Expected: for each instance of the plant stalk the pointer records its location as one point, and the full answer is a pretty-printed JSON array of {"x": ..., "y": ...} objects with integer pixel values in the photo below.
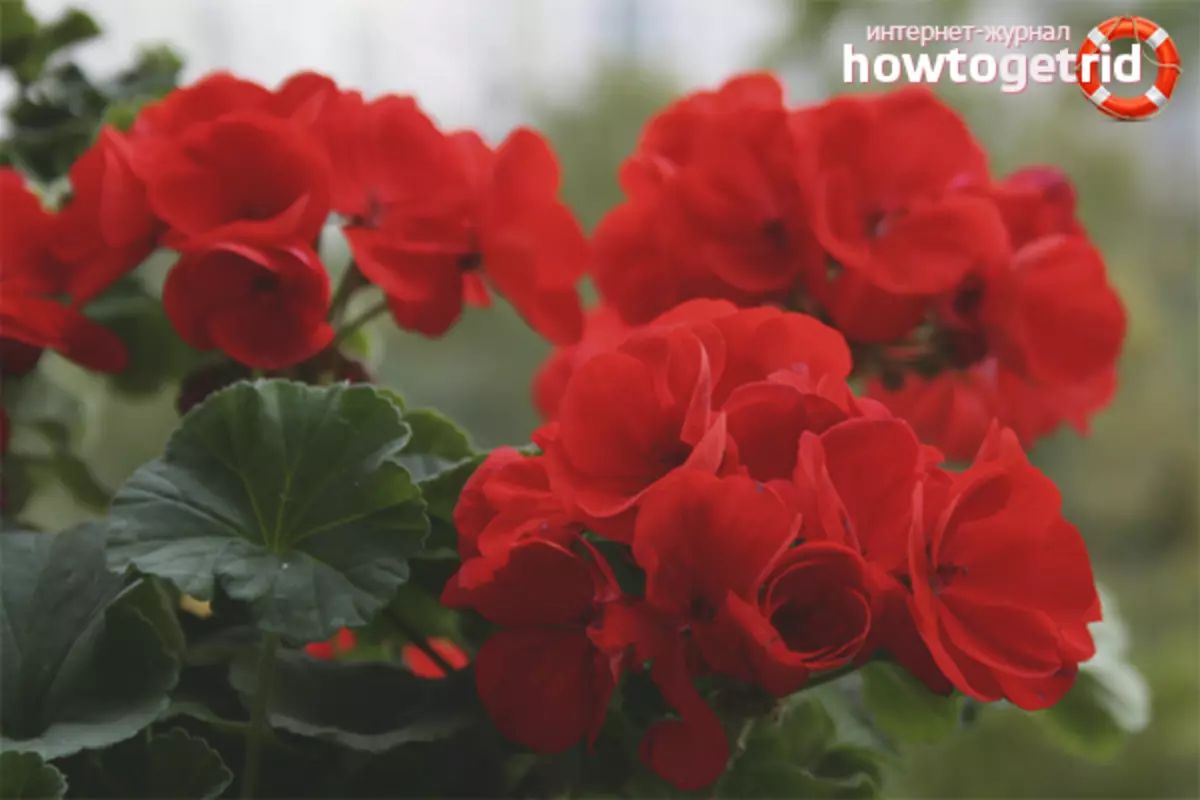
[
  {"x": 352, "y": 280},
  {"x": 258, "y": 716},
  {"x": 830, "y": 676},
  {"x": 357, "y": 322}
]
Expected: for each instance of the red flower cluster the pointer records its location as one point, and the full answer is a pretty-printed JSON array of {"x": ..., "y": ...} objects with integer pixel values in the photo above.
[
  {"x": 878, "y": 214},
  {"x": 778, "y": 527},
  {"x": 417, "y": 660},
  {"x": 240, "y": 180}
]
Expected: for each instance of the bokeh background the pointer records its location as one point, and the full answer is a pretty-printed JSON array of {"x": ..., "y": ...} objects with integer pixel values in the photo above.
[{"x": 588, "y": 73}]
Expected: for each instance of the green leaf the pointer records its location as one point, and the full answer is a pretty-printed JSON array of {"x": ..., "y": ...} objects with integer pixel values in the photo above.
[
  {"x": 795, "y": 755},
  {"x": 152, "y": 600},
  {"x": 371, "y": 706},
  {"x": 441, "y": 494},
  {"x": 1110, "y": 699},
  {"x": 437, "y": 444},
  {"x": 788, "y": 780},
  {"x": 157, "y": 356},
  {"x": 903, "y": 708},
  {"x": 154, "y": 74},
  {"x": 19, "y": 41},
  {"x": 289, "y": 497},
  {"x": 848, "y": 762},
  {"x": 25, "y": 776},
  {"x": 72, "y": 28},
  {"x": 81, "y": 668},
  {"x": 173, "y": 764}
]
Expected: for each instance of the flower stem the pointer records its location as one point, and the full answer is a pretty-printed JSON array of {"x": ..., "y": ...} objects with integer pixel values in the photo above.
[
  {"x": 357, "y": 322},
  {"x": 258, "y": 716},
  {"x": 831, "y": 675},
  {"x": 352, "y": 280},
  {"x": 418, "y": 641}
]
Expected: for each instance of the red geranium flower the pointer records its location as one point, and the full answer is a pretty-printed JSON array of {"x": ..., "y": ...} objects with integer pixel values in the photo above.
[
  {"x": 1002, "y": 585},
  {"x": 263, "y": 308},
  {"x": 211, "y": 97},
  {"x": 435, "y": 219},
  {"x": 603, "y": 331},
  {"x": 344, "y": 641},
  {"x": 244, "y": 178},
  {"x": 630, "y": 417},
  {"x": 421, "y": 665},
  {"x": 854, "y": 485},
  {"x": 715, "y": 208},
  {"x": 541, "y": 679},
  {"x": 107, "y": 229},
  {"x": 506, "y": 499},
  {"x": 1032, "y": 339},
  {"x": 882, "y": 172},
  {"x": 31, "y": 318}
]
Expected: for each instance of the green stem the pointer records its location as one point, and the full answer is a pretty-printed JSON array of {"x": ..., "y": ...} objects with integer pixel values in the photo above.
[
  {"x": 417, "y": 640},
  {"x": 830, "y": 676},
  {"x": 258, "y": 716},
  {"x": 352, "y": 280},
  {"x": 357, "y": 322}
]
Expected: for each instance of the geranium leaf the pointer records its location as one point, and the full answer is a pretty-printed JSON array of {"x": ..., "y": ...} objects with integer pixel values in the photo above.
[
  {"x": 289, "y": 497},
  {"x": 903, "y": 708},
  {"x": 437, "y": 444},
  {"x": 83, "y": 667},
  {"x": 372, "y": 706},
  {"x": 25, "y": 776},
  {"x": 157, "y": 355},
  {"x": 1110, "y": 699},
  {"x": 173, "y": 764}
]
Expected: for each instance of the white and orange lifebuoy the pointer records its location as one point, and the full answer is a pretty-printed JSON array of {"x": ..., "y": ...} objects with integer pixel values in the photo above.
[{"x": 1166, "y": 58}]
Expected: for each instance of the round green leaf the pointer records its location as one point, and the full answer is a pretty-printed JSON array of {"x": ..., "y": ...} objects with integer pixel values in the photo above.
[
  {"x": 25, "y": 776},
  {"x": 1110, "y": 699},
  {"x": 173, "y": 764},
  {"x": 82, "y": 669},
  {"x": 291, "y": 497},
  {"x": 371, "y": 706},
  {"x": 437, "y": 444},
  {"x": 157, "y": 355},
  {"x": 903, "y": 708}
]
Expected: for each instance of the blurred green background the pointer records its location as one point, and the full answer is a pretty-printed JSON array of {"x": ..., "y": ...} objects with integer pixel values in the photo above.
[{"x": 1131, "y": 486}]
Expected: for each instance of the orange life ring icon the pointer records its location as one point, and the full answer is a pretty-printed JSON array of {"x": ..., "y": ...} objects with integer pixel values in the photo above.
[{"x": 1166, "y": 58}]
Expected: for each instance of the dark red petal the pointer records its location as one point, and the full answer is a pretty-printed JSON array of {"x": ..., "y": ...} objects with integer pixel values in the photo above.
[{"x": 545, "y": 689}]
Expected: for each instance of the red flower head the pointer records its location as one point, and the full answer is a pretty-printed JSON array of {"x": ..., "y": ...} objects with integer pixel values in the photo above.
[
  {"x": 1036, "y": 335},
  {"x": 435, "y": 219},
  {"x": 715, "y": 206},
  {"x": 603, "y": 331},
  {"x": 993, "y": 635},
  {"x": 246, "y": 178},
  {"x": 211, "y": 97},
  {"x": 882, "y": 175},
  {"x": 421, "y": 665},
  {"x": 814, "y": 614},
  {"x": 854, "y": 485},
  {"x": 263, "y": 308},
  {"x": 1053, "y": 316},
  {"x": 704, "y": 543},
  {"x": 630, "y": 417},
  {"x": 344, "y": 641},
  {"x": 542, "y": 680},
  {"x": 31, "y": 319},
  {"x": 506, "y": 499},
  {"x": 107, "y": 229}
]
